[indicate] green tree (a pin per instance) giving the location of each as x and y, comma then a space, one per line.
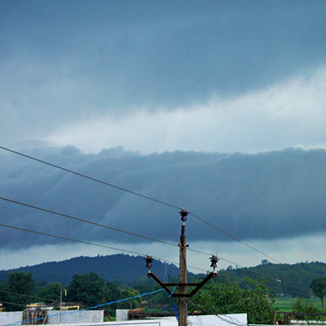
318, 286
51, 292
248, 296
112, 293
301, 306
130, 293
146, 285
4, 293
20, 286
86, 288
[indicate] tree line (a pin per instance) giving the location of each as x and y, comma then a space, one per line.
283, 279
89, 289
219, 296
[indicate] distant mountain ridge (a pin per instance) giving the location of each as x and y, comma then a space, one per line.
120, 267
293, 280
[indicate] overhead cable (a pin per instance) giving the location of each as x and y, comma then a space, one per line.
105, 226
132, 252
85, 221
133, 193
24, 295
93, 244
231, 236
90, 178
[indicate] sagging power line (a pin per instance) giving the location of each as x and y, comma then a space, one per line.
92, 244
119, 230
133, 193
105, 226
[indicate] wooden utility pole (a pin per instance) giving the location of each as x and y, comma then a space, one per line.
183, 284
182, 304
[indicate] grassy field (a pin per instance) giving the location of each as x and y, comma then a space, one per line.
285, 304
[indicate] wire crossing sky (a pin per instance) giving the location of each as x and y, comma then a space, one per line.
218, 106
118, 188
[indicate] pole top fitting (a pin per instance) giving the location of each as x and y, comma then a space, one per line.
184, 214
149, 260
214, 261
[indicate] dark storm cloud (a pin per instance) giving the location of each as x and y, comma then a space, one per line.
64, 61
262, 196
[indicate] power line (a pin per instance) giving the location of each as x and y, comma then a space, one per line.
127, 251
235, 277
14, 304
70, 239
106, 226
119, 230
85, 221
231, 236
134, 193
130, 233
90, 178
25, 295
93, 244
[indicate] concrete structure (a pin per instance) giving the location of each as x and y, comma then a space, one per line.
222, 320
211, 320
10, 317
76, 317
95, 317
67, 317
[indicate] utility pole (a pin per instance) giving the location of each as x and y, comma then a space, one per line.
182, 304
183, 284
63, 289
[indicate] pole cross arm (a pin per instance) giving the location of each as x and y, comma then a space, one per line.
198, 286
187, 284
202, 283
150, 274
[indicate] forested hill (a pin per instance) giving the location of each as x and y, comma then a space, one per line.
293, 280
120, 267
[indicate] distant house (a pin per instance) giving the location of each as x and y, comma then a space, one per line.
36, 305
68, 305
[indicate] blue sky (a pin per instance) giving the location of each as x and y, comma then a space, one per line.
165, 76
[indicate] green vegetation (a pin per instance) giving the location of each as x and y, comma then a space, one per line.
22, 285
302, 306
86, 288
50, 292
89, 289
120, 267
318, 286
287, 304
283, 279
287, 288
246, 295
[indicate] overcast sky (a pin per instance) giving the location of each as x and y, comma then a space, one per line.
217, 107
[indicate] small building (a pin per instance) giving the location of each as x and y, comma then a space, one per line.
36, 305
68, 305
